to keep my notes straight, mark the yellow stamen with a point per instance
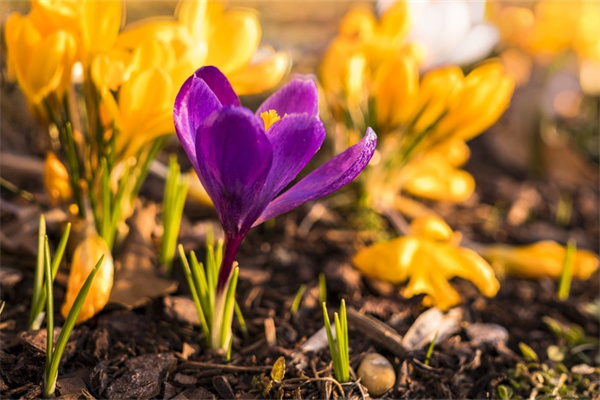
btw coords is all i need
(269, 118)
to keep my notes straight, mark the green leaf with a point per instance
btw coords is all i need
(528, 352)
(504, 392)
(297, 299)
(38, 276)
(188, 276)
(55, 264)
(566, 275)
(66, 330)
(241, 320)
(332, 349)
(430, 348)
(322, 288)
(49, 307)
(228, 307)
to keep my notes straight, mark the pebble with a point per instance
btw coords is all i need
(376, 374)
(480, 333)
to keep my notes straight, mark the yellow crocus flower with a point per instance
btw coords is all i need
(39, 61)
(483, 96)
(553, 28)
(427, 258)
(206, 33)
(436, 174)
(419, 116)
(94, 23)
(86, 255)
(56, 180)
(538, 260)
(145, 110)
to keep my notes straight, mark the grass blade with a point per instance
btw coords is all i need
(38, 276)
(241, 320)
(49, 307)
(55, 264)
(65, 332)
(430, 348)
(322, 288)
(190, 280)
(566, 275)
(345, 351)
(332, 349)
(228, 308)
(297, 300)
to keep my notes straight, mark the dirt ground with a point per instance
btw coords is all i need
(156, 350)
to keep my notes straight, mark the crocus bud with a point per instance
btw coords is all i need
(56, 180)
(85, 257)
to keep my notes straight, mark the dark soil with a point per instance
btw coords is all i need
(156, 351)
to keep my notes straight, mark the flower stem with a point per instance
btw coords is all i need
(232, 244)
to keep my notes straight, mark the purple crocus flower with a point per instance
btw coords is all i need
(244, 160)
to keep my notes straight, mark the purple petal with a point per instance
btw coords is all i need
(295, 140)
(296, 97)
(234, 160)
(326, 179)
(202, 93)
(219, 84)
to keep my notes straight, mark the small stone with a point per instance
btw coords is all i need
(480, 333)
(376, 374)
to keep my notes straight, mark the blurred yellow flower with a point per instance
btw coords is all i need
(196, 191)
(428, 257)
(86, 255)
(205, 33)
(94, 23)
(436, 174)
(371, 76)
(538, 260)
(552, 28)
(152, 58)
(56, 180)
(39, 60)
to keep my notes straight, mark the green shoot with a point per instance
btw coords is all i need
(215, 310)
(297, 300)
(322, 288)
(241, 320)
(564, 210)
(38, 308)
(566, 275)
(340, 354)
(174, 199)
(430, 348)
(38, 299)
(34, 322)
(53, 355)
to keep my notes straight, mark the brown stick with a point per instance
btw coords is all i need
(378, 331)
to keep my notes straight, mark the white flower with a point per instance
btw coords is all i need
(448, 31)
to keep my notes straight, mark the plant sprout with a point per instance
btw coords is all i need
(43, 296)
(38, 299)
(338, 347)
(566, 275)
(215, 318)
(176, 189)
